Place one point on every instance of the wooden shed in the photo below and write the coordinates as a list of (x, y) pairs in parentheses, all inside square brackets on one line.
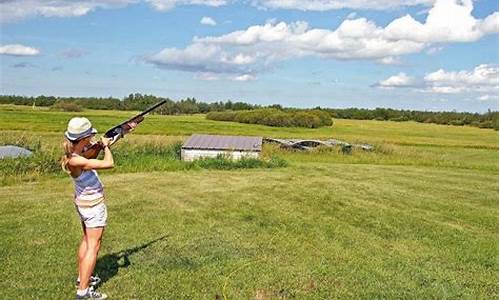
[(234, 147)]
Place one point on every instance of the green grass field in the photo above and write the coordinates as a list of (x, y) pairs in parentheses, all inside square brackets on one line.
[(415, 219)]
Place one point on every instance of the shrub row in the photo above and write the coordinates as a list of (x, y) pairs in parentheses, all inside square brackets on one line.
[(276, 117)]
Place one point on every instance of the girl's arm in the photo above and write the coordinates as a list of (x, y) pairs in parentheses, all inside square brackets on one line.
[(89, 164)]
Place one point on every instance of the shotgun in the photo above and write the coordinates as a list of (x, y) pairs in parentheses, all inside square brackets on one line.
[(118, 131)]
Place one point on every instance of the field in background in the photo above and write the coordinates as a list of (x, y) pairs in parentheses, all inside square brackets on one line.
[(21, 118), (417, 218)]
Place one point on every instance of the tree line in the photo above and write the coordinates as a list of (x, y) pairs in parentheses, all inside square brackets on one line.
[(131, 102), (139, 101), (484, 120)]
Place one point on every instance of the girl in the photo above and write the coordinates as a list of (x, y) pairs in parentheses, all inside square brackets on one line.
[(89, 199)]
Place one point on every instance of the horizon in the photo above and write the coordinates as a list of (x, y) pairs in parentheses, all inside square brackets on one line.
[(419, 55), (262, 105)]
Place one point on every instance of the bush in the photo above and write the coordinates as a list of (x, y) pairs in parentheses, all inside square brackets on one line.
[(324, 117), (457, 122), (66, 106), (486, 124), (275, 117), (304, 119)]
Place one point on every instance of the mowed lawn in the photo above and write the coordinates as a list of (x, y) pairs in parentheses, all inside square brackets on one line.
[(418, 220)]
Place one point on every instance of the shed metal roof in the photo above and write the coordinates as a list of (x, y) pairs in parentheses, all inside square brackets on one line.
[(224, 142), (11, 151)]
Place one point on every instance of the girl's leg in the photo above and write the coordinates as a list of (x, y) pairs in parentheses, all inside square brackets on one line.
[(82, 249), (89, 259)]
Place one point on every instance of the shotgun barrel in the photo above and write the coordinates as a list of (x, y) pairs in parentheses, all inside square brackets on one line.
[(118, 131)]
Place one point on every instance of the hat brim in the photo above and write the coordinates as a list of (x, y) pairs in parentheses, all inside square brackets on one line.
[(78, 136)]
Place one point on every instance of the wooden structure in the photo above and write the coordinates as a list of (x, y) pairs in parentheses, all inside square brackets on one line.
[(234, 147)]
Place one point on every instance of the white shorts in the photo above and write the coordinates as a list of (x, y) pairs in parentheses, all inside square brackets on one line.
[(95, 216)]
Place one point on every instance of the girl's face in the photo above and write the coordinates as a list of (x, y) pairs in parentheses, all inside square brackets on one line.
[(86, 141)]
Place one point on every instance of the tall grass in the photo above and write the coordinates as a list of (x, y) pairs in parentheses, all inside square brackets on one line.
[(222, 163), (129, 157)]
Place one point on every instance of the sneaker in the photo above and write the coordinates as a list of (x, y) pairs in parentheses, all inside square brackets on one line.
[(91, 294), (93, 281)]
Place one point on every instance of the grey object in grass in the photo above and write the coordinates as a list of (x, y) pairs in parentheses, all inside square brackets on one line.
[(11, 151), (304, 144)]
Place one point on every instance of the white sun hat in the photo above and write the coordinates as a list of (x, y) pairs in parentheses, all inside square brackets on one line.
[(79, 128)]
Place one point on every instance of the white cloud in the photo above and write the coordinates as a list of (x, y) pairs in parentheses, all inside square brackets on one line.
[(244, 77), (164, 5), (485, 98), (389, 60), (240, 59), (484, 78), (324, 5), (13, 10), (447, 21), (208, 21), (203, 58), (482, 81), (18, 50), (259, 47), (19, 9), (400, 80)]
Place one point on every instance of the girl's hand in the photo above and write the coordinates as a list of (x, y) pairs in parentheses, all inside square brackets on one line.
[(105, 141), (130, 126)]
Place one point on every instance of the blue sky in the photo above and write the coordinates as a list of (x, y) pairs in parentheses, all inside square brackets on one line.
[(419, 54)]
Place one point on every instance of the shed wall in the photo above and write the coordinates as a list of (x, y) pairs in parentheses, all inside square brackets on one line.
[(191, 154)]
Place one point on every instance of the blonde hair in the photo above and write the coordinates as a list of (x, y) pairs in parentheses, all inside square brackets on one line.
[(68, 147)]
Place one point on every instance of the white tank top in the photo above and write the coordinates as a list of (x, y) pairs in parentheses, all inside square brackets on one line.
[(88, 186)]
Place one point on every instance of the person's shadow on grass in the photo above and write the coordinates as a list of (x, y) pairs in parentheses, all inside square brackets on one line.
[(108, 265)]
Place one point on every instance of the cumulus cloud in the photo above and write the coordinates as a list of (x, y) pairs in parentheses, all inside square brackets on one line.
[(208, 21), (484, 78), (485, 98), (324, 5), (396, 81), (202, 58), (14, 10), (481, 81), (447, 21), (164, 5), (389, 60), (244, 77), (259, 47), (18, 50)]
